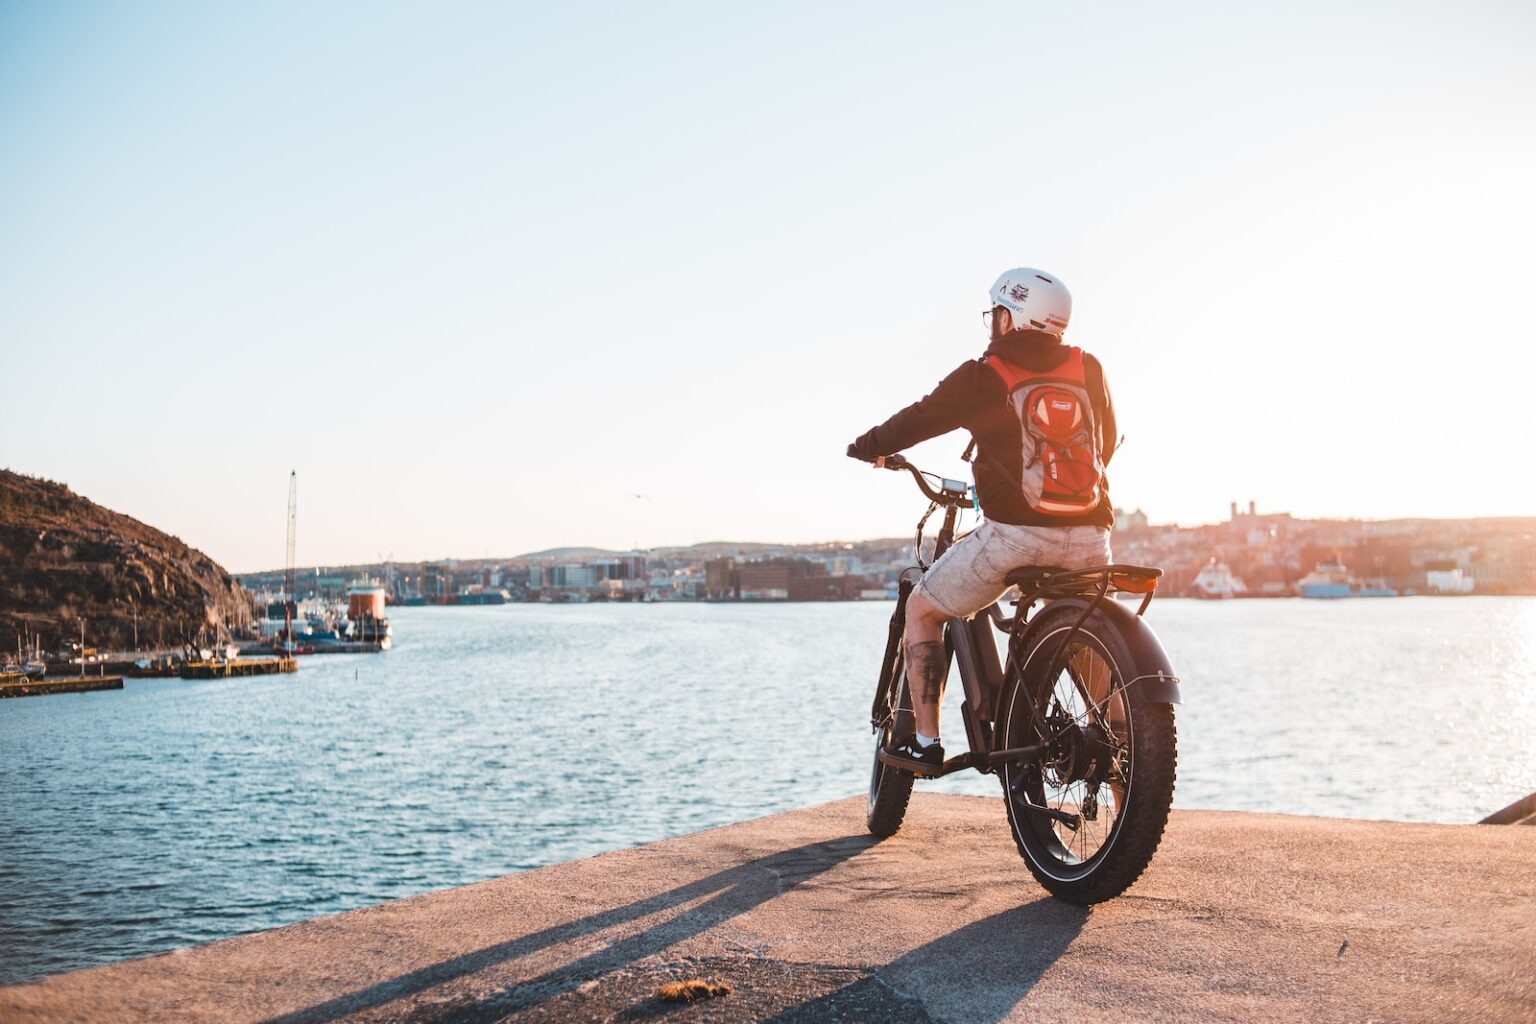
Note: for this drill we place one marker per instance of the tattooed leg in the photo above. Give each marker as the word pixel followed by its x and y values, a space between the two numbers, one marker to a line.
pixel 925 678
pixel 927 663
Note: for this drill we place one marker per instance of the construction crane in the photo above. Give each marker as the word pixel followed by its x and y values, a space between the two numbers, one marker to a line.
pixel 290 598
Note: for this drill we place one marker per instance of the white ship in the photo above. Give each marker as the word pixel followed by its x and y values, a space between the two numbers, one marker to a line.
pixel 1216 581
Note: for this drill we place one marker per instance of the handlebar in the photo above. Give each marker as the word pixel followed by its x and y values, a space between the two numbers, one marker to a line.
pixel 950 493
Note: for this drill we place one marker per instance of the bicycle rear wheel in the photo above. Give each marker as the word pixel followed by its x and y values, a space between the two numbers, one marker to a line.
pixel 891 788
pixel 1109 763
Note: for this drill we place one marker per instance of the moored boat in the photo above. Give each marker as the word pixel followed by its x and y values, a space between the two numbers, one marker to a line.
pixel 365 613
pixel 1333 579
pixel 1216 581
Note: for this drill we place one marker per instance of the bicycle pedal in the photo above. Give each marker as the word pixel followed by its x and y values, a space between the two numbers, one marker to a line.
pixel 906 765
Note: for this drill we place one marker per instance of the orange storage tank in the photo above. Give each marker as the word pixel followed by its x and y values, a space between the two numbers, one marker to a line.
pixel 365 601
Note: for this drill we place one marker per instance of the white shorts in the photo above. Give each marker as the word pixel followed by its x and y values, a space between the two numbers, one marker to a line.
pixel 969 576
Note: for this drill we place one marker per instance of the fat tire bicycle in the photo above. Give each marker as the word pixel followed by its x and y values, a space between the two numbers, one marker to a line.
pixel 1077 722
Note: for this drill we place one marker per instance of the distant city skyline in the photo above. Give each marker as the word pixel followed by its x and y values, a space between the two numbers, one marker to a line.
pixel 1252 554
pixel 483 273
pixel 1127 518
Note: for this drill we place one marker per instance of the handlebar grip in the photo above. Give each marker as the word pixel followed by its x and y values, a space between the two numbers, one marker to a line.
pixel 880 461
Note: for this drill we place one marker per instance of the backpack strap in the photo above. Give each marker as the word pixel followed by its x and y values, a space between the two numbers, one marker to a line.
pixel 1010 380
pixel 1012 376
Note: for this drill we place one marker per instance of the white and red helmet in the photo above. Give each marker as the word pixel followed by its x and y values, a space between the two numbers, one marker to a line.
pixel 1034 299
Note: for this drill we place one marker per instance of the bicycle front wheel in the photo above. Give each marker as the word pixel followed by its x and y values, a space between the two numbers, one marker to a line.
pixel 890 788
pixel 1089 813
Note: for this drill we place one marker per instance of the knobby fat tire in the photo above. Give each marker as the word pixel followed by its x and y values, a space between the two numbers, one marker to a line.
pixel 1153 764
pixel 890 788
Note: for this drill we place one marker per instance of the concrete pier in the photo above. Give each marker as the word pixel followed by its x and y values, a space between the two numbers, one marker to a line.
pixel 1241 917
pixel 24 687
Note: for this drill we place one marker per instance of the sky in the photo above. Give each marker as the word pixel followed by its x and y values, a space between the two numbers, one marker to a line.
pixel 500 277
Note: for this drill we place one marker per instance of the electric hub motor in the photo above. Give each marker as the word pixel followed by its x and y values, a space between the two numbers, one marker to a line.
pixel 1079 752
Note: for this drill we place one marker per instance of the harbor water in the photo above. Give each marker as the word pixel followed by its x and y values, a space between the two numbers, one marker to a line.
pixel 497 739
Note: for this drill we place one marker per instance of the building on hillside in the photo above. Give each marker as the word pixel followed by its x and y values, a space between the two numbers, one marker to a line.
pixel 763 581
pixel 1128 521
pixel 569 576
pixel 721 580
pixel 827 588
pixel 434 581
pixel 1449 581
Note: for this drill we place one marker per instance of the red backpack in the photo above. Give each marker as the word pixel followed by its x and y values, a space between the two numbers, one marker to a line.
pixel 1063 464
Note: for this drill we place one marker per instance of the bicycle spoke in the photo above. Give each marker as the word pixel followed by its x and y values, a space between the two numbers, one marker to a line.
pixel 1086 694
pixel 1088 674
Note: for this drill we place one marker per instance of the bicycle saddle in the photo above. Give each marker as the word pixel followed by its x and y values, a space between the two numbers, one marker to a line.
pixel 1137 579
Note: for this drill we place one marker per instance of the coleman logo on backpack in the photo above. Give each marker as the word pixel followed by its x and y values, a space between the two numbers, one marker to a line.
pixel 1063 468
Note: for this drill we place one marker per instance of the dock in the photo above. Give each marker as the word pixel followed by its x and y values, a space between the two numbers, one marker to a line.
pixel 228 669
pixel 350 647
pixel 319 647
pixel 805 917
pixel 14 686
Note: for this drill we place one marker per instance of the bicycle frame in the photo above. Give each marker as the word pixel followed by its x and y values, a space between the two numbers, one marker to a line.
pixel 1080 695
pixel 971 648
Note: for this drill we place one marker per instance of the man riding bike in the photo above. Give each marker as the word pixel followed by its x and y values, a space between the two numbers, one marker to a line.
pixel 1040 413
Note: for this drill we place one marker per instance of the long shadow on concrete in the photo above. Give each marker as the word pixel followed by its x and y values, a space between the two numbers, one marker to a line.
pixel 976 973
pixel 734 890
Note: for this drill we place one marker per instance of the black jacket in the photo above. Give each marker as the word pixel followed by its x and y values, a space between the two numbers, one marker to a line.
pixel 973 397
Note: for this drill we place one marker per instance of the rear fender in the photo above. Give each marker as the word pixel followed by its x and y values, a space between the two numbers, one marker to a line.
pixel 1157 680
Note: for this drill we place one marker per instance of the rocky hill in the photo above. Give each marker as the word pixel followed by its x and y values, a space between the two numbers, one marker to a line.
pixel 64 558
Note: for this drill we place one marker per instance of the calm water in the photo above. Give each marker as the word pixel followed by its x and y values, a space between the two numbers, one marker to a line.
pixel 497 739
